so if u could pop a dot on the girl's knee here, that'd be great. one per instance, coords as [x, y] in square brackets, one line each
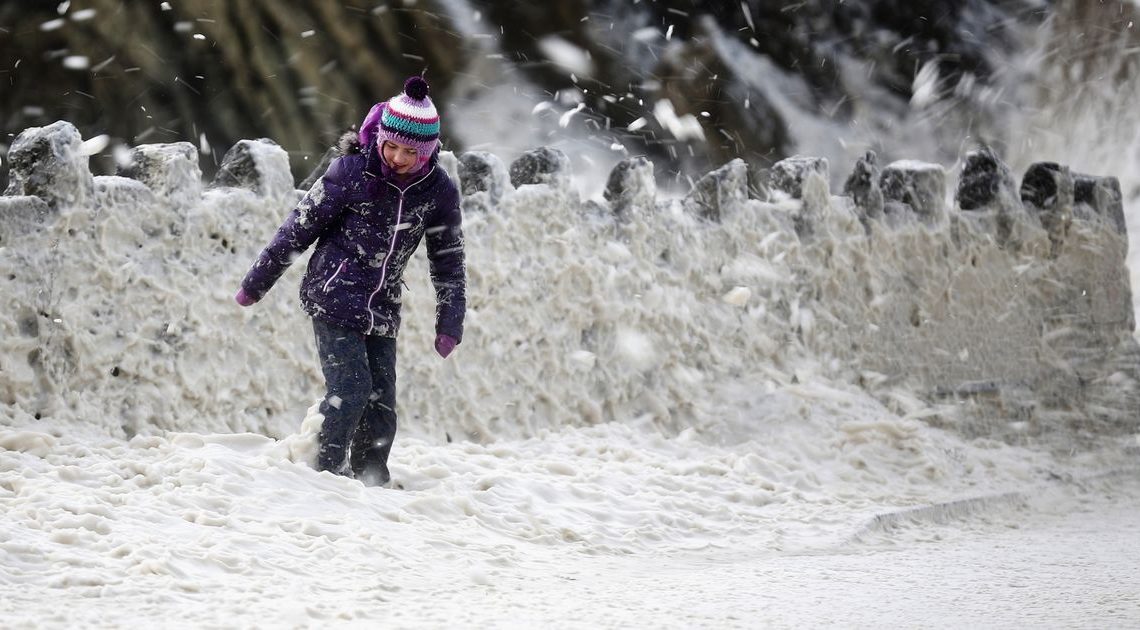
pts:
[349, 396]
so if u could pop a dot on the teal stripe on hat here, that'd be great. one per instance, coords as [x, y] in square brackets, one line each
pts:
[410, 127]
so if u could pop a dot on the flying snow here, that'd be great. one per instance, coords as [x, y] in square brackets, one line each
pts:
[566, 55]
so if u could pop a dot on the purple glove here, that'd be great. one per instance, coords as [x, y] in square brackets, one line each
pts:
[444, 344]
[243, 298]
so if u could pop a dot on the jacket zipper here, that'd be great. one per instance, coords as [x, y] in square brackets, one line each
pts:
[328, 283]
[391, 246]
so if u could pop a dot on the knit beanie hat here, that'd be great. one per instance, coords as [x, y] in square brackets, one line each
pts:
[408, 118]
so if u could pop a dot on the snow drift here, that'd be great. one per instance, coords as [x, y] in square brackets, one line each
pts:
[1007, 312]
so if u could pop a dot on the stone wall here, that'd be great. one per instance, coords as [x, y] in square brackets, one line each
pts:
[1007, 312]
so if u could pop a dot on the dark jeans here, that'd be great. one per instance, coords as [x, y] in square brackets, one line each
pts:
[360, 404]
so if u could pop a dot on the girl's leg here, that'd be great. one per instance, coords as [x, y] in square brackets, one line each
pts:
[344, 361]
[372, 441]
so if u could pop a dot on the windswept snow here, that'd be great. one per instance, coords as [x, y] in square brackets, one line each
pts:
[610, 526]
[636, 432]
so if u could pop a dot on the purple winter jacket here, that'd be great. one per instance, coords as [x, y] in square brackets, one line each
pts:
[367, 224]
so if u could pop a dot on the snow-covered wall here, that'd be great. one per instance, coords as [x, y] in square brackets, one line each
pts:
[989, 313]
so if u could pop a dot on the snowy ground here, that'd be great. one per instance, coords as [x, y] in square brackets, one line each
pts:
[729, 480]
[723, 477]
[610, 526]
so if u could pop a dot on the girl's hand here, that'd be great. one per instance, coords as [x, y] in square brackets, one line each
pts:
[244, 299]
[444, 344]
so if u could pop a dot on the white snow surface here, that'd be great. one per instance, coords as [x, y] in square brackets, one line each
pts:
[608, 526]
[729, 480]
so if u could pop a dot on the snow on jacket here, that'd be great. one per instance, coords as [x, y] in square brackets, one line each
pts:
[366, 224]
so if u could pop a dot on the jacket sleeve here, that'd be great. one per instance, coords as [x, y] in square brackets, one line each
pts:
[447, 265]
[319, 208]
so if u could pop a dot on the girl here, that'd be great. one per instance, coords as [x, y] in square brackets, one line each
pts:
[367, 215]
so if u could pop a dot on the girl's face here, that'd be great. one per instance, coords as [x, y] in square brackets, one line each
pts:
[401, 157]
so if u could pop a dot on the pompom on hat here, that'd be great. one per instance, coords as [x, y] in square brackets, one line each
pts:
[408, 118]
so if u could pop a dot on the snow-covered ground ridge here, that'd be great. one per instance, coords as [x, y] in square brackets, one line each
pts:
[634, 309]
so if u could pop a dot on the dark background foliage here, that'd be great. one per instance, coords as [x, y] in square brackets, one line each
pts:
[212, 72]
